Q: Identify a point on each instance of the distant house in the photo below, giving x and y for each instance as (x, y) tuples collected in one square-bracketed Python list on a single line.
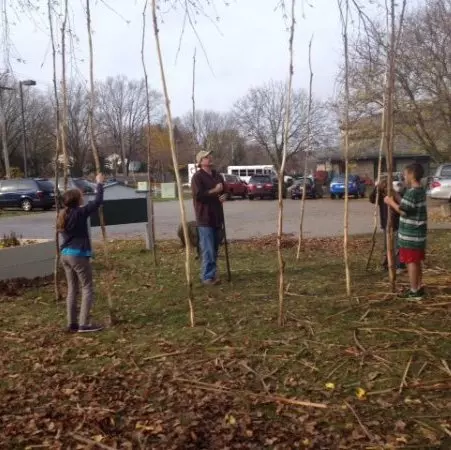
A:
[(364, 144)]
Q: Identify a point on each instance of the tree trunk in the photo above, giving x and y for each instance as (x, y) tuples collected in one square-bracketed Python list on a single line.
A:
[(282, 170), (64, 121), (307, 152), (175, 164), (379, 170), (95, 154), (57, 154), (390, 144), (150, 208), (344, 15)]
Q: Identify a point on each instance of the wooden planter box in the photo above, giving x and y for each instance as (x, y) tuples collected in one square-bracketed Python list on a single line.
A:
[(28, 261)]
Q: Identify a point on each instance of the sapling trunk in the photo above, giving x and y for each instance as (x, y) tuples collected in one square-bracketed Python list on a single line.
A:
[(344, 15), (95, 154), (64, 118), (287, 119), (306, 153), (379, 171), (193, 101), (174, 162), (57, 154), (150, 207), (390, 143)]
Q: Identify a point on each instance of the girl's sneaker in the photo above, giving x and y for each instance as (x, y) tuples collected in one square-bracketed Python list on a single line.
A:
[(89, 328), (412, 296)]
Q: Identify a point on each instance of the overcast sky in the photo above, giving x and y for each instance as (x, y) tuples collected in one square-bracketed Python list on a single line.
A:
[(246, 47)]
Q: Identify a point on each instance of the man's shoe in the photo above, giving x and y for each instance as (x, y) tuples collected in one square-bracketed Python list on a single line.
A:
[(89, 328), (213, 282), (72, 328)]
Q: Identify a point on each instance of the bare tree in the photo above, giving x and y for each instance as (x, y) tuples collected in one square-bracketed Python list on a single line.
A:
[(175, 163), (122, 113), (261, 112), (286, 128), (307, 152), (421, 105)]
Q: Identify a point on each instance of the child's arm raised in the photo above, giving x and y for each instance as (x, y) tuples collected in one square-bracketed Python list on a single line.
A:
[(93, 206)]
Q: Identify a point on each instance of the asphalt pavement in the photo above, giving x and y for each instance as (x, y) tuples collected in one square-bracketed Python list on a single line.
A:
[(244, 219)]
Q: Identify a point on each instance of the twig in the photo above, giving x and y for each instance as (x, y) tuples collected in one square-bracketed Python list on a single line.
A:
[(445, 365), (265, 397), (403, 380), (164, 355), (362, 426), (409, 330), (90, 442), (446, 430), (260, 377), (357, 342), (421, 369)]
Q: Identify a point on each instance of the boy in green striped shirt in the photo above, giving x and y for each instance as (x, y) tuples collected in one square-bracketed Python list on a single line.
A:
[(412, 228)]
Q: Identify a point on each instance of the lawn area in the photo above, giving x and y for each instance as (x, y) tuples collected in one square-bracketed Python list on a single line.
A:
[(17, 212), (377, 368)]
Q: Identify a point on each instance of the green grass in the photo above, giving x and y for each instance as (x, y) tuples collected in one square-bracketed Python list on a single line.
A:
[(151, 381), (17, 212)]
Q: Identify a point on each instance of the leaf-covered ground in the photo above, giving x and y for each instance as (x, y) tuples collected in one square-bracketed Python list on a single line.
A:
[(378, 369)]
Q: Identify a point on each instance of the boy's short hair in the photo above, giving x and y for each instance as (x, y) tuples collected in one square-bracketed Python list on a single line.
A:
[(416, 170)]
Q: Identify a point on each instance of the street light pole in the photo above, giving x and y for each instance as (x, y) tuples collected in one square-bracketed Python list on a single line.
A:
[(4, 137), (24, 129)]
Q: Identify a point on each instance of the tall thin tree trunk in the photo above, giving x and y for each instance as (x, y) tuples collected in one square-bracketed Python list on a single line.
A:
[(307, 152), (150, 207), (282, 168), (57, 154), (95, 154), (344, 15), (390, 143), (64, 118), (193, 101), (175, 163), (379, 170)]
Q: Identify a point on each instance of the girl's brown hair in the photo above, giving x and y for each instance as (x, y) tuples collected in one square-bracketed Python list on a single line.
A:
[(71, 199)]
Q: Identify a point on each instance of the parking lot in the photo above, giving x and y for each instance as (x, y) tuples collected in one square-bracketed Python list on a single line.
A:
[(244, 219)]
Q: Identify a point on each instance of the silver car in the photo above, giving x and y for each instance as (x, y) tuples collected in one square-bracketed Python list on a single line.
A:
[(440, 185)]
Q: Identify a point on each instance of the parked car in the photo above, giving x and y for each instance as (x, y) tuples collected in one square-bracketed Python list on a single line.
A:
[(264, 186), (27, 193), (355, 187), (313, 189), (236, 187), (440, 185)]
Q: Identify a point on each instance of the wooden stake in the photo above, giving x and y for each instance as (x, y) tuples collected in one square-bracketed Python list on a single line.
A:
[(175, 163), (309, 149), (95, 154), (150, 206), (282, 169), (57, 289)]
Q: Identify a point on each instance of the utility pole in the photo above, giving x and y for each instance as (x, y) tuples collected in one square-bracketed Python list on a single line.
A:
[(24, 129), (4, 137)]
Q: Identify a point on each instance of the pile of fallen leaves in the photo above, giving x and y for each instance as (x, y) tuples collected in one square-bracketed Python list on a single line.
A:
[(435, 215)]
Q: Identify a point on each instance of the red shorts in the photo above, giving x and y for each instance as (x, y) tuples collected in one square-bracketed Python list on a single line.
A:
[(411, 255)]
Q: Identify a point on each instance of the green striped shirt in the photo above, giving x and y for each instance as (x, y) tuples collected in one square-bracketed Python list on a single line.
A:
[(413, 222)]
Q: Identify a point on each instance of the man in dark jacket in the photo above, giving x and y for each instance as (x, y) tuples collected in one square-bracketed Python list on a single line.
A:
[(384, 211), (209, 193)]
